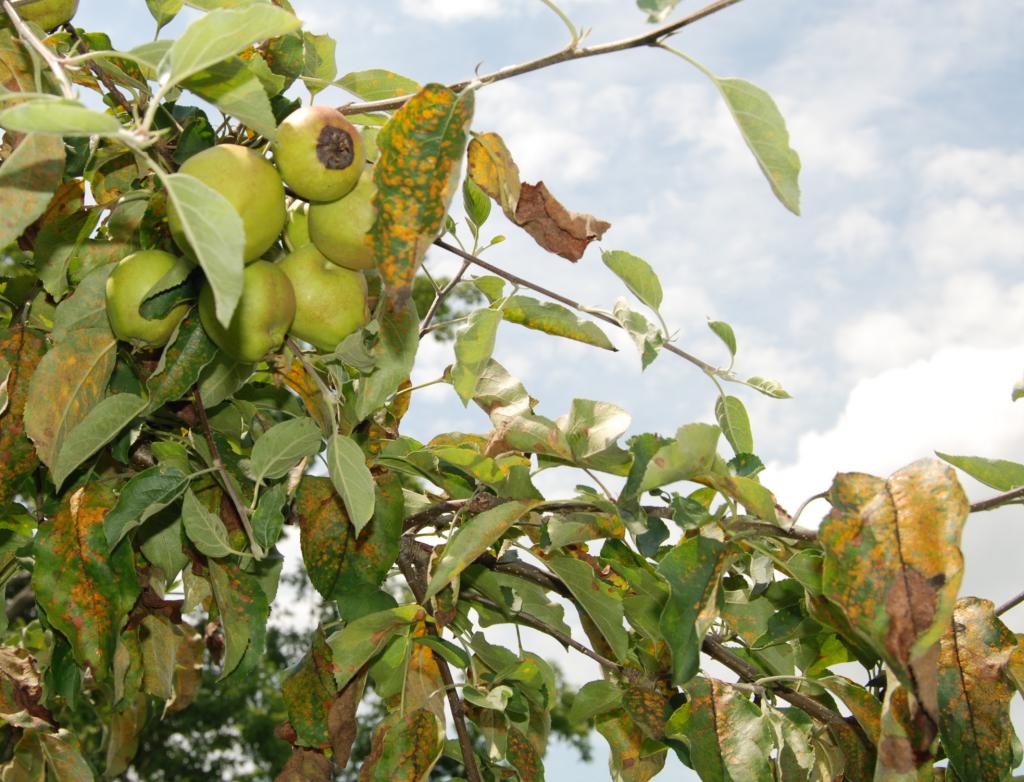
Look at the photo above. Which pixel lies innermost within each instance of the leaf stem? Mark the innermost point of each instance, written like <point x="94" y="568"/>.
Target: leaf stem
<point x="440" y="297"/>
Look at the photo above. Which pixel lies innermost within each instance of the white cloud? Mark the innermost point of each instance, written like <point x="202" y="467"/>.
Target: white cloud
<point x="452" y="10"/>
<point x="856" y="232"/>
<point x="983" y="173"/>
<point x="965" y="232"/>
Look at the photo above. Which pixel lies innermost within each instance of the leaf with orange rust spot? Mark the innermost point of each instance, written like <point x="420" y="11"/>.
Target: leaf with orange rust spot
<point x="243" y="613"/>
<point x="554" y="227"/>
<point x="337" y="562"/>
<point x="85" y="590"/>
<point x="16" y="69"/>
<point x="893" y="565"/>
<point x="306" y="766"/>
<point x="648" y="706"/>
<point x="492" y="168"/>
<point x="404" y="748"/>
<point x="423" y="686"/>
<point x="904" y="746"/>
<point x="864" y="706"/>
<point x="524" y="757"/>
<point x="309" y="691"/>
<point x="975" y="693"/>
<point x="421" y="151"/>
<point x="20" y="685"/>
<point x="362" y="639"/>
<point x="729" y="737"/>
<point x="627" y="762"/>
<point x="28" y="180"/>
<point x="22" y="350"/>
<point x="299" y="381"/>
<point x="188" y="670"/>
<point x="68" y="383"/>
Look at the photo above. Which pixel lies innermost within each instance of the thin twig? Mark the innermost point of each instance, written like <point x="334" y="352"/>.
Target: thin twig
<point x="97" y="71"/>
<point x="1013" y="602"/>
<point x="537" y="624"/>
<point x="523" y="282"/>
<point x="652" y="38"/>
<point x="415" y="575"/>
<point x="41" y="49"/>
<point x="441" y="296"/>
<point x="218" y="464"/>
<point x="998" y="501"/>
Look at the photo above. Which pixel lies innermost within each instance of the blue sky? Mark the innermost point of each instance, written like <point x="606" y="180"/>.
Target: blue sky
<point x="892" y="310"/>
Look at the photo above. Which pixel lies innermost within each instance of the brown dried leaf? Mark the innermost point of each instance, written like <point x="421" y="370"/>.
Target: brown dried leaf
<point x="495" y="172"/>
<point x="342" y="726"/>
<point x="306" y="765"/>
<point x="554" y="227"/>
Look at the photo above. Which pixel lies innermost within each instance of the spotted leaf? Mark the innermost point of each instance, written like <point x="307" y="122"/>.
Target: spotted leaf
<point x="22" y="350"/>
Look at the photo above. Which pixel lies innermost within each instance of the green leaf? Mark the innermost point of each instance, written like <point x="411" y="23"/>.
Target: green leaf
<point x="998" y="474"/>
<point x="346" y="464"/>
<point x="456" y="655"/>
<point x="647" y="337"/>
<point x="473" y="538"/>
<point x="221" y="378"/>
<point x="86" y="308"/>
<point x="975" y="694"/>
<point x="28" y="179"/>
<point x="725" y="333"/>
<point x="893" y="563"/>
<point x="474" y="344"/>
<point x="602" y="602"/>
<point x="657" y="10"/>
<point x="281" y="447"/>
<point x="638" y="275"/>
<point x="361" y="640"/>
<point x="421" y="149"/>
<point x="221" y="34"/>
<point x="243" y="612"/>
<point x="58" y="116"/>
<point x="692" y="569"/>
<point x="67" y="384"/>
<point x="215" y="233"/>
<point x="235" y="89"/>
<point x="735" y="423"/>
<point x="728" y="736"/>
<point x="594" y="698"/>
<point x="102" y="424"/>
<point x="163" y="544"/>
<point x="204" y="529"/>
<point x="163" y="11"/>
<point x="146" y="494"/>
<point x="554" y="319"/>
<point x="320" y="61"/>
<point x="377" y="84"/>
<point x="475" y="202"/>
<point x="394" y="355"/>
<point x="85" y="589"/>
<point x="1018" y="391"/>
<point x="690" y="454"/>
<point x="181" y="365"/>
<point x="767" y="387"/>
<point x="268" y="520"/>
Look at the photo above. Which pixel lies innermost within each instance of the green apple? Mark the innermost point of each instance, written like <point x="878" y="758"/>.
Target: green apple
<point x="330" y="302"/>
<point x="251" y="185"/>
<point x="46" y="13"/>
<point x="262" y="318"/>
<point x="296" y="232"/>
<point x="319" y="153"/>
<point x="127" y="287"/>
<point x="340" y="228"/>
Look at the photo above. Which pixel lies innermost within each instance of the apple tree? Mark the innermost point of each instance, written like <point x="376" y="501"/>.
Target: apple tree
<point x="211" y="300"/>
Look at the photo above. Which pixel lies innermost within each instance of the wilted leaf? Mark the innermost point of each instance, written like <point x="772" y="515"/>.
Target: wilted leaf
<point x="647" y="337"/>
<point x="85" y="590"/>
<point x="974" y="693"/>
<point x="64" y="757"/>
<point x="28" y="179"/>
<point x="181" y="364"/>
<point x="554" y="227"/>
<point x="893" y="564"/>
<point x="421" y="150"/>
<point x="495" y="172"/>
<point x="67" y="384"/>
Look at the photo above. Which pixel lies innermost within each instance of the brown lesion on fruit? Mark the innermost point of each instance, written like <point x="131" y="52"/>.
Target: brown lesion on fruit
<point x="335" y="148"/>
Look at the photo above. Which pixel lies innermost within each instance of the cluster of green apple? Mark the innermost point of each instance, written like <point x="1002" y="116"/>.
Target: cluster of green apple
<point x="317" y="293"/>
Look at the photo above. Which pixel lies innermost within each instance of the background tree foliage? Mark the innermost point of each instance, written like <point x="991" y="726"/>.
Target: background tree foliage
<point x="144" y="489"/>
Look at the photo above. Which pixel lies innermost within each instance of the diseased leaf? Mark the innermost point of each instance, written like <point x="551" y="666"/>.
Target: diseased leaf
<point x="101" y="425"/>
<point x="281" y="447"/>
<point x="268" y="519"/>
<point x="361" y="640"/>
<point x="601" y="601"/>
<point x="64" y="757"/>
<point x="28" y="179"/>
<point x="181" y="364"/>
<point x="629" y="762"/>
<point x="495" y="172"/>
<point x="22" y="351"/>
<point x="86" y="308"/>
<point x="85" y="590"/>
<point x="346" y="464"/>
<point x="554" y="227"/>
<point x="404" y="748"/>
<point x="309" y="691"/>
<point x="690" y="454"/>
<point x="593" y="699"/>
<point x="735" y="423"/>
<point x="147" y="493"/>
<point x="473" y="538"/>
<point x="474" y="344"/>
<point x="377" y="84"/>
<point x="893" y="565"/>
<point x="693" y="570"/>
<point x="421" y="150"/>
<point x="999" y="474"/>
<point x="203" y="528"/>
<point x="975" y="693"/>
<point x="638" y="275"/>
<point x="554" y="319"/>
<point x="647" y="337"/>
<point x="244" y="609"/>
<point x="67" y="384"/>
<point x="767" y="387"/>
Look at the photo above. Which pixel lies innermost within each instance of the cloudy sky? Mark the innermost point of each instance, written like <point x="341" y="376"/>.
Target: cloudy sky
<point x="890" y="309"/>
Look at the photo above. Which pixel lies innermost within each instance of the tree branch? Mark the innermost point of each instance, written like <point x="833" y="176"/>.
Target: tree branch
<point x="415" y="575"/>
<point x="652" y="38"/>
<point x="441" y="296"/>
<point x="1013" y="602"/>
<point x="998" y="501"/>
<point x="524" y="283"/>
